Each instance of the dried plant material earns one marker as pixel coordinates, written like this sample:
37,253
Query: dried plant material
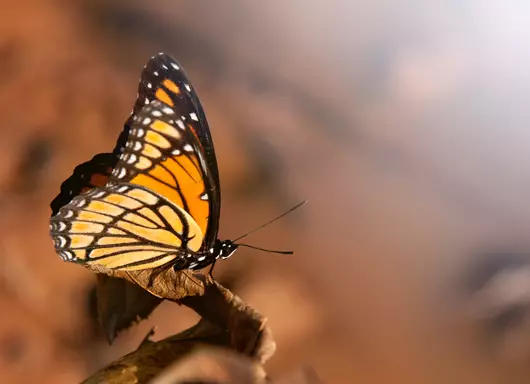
226,322
151,358
213,365
121,304
214,303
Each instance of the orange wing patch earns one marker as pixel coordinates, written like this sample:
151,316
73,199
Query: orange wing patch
159,155
162,95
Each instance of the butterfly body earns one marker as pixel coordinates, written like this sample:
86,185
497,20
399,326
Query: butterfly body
155,200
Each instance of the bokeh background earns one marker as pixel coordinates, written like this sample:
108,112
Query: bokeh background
405,124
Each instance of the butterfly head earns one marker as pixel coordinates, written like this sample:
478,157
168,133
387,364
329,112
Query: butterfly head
225,249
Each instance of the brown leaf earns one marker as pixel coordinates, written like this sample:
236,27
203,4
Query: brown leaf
121,304
226,321
151,358
213,365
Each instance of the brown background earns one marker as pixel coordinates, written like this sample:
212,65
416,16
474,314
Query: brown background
405,124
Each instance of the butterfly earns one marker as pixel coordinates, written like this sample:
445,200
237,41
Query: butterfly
155,200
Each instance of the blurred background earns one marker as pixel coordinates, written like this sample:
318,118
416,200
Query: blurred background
404,123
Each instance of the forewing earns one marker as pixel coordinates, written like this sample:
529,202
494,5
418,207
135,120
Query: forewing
163,155
164,79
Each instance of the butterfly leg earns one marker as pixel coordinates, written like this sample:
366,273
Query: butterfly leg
211,269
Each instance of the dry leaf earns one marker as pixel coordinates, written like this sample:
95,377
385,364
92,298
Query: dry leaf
121,304
226,321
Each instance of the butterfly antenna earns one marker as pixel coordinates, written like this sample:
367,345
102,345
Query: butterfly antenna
267,250
270,222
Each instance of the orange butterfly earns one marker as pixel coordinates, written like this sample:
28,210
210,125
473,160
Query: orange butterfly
156,199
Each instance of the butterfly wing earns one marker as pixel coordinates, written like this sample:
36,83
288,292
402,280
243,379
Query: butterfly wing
164,155
155,207
91,174
164,79
124,227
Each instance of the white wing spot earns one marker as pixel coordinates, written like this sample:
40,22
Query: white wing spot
202,258
176,152
141,132
132,158
122,174
188,148
122,189
181,124
146,101
62,241
137,146
68,214
192,265
204,197
175,66
187,86
168,111
164,66
194,116
155,73
156,113
149,85
100,193
80,203
146,121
